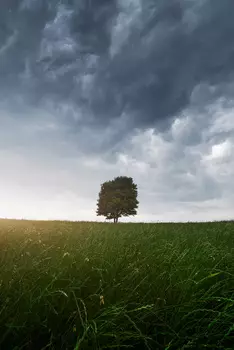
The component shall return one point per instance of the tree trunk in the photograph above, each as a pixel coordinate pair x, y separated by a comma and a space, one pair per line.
115, 220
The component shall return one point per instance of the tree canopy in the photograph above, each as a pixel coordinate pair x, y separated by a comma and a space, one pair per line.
117, 198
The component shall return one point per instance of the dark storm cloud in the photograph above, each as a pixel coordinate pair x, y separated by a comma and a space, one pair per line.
109, 58
156, 78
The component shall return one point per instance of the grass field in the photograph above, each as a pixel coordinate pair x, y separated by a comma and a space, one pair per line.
102, 286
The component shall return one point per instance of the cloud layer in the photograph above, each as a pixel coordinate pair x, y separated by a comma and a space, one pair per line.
93, 89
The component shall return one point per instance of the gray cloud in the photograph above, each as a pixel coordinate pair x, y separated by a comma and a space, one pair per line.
141, 58
92, 89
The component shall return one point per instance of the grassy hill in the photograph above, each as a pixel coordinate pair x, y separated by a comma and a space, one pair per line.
70, 285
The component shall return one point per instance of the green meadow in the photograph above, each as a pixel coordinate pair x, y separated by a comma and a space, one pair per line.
85, 285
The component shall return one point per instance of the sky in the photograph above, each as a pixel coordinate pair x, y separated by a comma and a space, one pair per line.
94, 89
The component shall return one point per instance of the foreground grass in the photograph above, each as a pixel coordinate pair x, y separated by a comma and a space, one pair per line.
101, 286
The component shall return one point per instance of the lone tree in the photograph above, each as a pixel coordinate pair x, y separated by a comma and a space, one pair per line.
117, 198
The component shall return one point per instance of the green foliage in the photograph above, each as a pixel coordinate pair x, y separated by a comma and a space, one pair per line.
99, 286
117, 198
